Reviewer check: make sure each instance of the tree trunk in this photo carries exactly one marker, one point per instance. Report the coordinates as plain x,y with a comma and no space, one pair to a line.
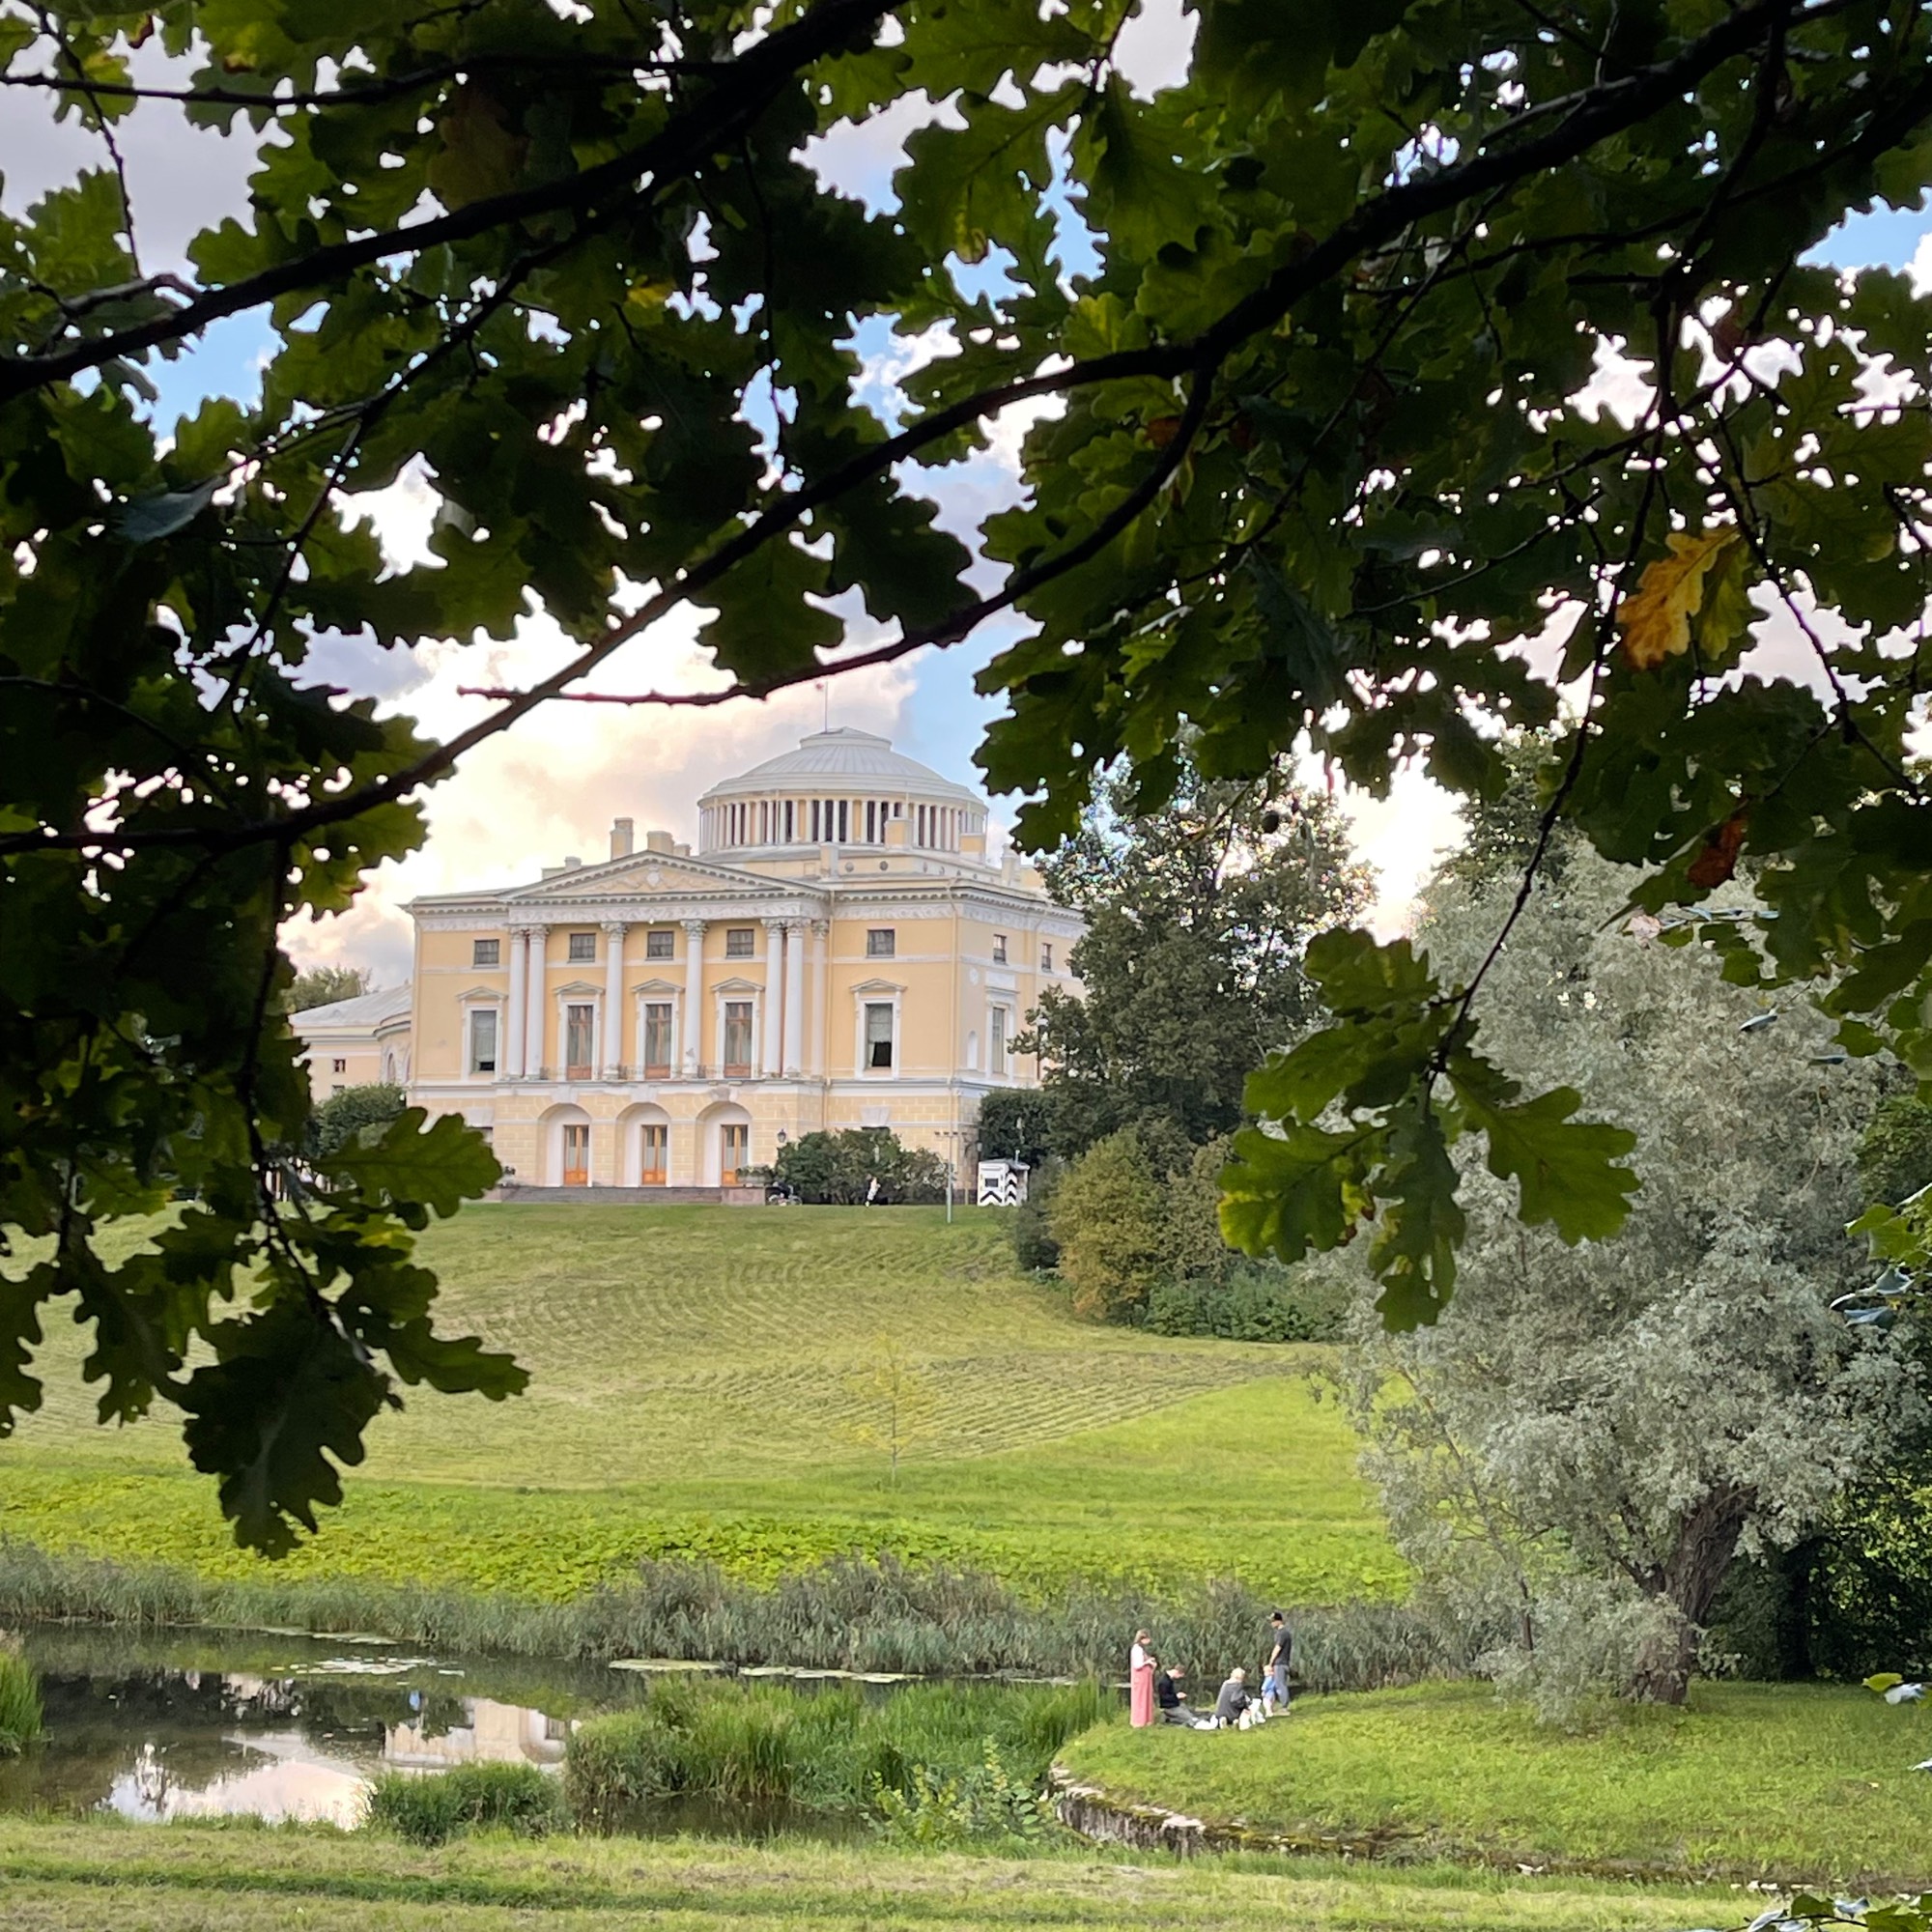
1687,1584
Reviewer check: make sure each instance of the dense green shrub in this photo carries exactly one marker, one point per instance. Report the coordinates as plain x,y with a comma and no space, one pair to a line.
1034,1247
19,1702
1016,1123
839,1170
1254,1301
432,1810
1108,1219
343,1115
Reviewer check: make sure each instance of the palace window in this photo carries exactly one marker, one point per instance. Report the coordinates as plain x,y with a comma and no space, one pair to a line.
995,1039
881,942
483,1040
657,1041
659,942
739,942
339,1067
486,953
654,1137
878,1038
579,1027
737,1039
583,948
999,949
1046,959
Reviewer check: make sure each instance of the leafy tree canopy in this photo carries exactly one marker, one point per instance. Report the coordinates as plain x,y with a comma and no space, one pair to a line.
324,985
1318,475
343,1116
1198,914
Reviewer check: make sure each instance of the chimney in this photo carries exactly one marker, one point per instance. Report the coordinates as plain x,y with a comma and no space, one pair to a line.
622,836
570,862
658,842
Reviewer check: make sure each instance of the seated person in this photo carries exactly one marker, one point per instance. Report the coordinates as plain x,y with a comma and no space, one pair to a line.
1172,1699
1233,1706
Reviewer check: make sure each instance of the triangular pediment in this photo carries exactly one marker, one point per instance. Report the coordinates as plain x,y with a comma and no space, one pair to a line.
878,986
659,988
576,990
737,986
649,874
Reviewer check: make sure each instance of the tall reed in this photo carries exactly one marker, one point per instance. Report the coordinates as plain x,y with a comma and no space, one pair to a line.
843,1614
20,1712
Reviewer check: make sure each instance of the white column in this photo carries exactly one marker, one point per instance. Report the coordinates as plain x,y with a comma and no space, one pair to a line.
513,1047
613,999
533,1018
794,1007
820,968
771,1059
694,997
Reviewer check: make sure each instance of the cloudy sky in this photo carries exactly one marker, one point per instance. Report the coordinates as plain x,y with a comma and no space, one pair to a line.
552,785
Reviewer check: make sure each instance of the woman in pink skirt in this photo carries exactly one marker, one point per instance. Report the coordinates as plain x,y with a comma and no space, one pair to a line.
1140,1680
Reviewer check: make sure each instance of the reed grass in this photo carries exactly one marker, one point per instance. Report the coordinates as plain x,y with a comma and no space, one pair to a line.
20,1712
842,1615
431,1810
829,1750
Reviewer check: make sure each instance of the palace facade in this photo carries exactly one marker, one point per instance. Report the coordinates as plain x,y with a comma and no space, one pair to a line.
838,952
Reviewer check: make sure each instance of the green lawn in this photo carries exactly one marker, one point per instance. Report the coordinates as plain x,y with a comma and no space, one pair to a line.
694,1395
1785,1781
74,1878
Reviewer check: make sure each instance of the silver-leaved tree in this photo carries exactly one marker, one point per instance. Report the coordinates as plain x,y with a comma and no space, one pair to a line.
1574,1455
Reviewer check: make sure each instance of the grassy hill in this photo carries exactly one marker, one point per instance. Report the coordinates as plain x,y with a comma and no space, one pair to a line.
698,1389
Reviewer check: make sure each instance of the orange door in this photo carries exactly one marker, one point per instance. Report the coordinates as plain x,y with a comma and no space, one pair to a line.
735,1154
576,1156
653,1169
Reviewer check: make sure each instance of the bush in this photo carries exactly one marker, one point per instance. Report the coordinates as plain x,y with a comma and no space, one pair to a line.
1034,1247
343,1115
1253,1302
1108,1217
1016,1123
838,1170
430,1810
20,1711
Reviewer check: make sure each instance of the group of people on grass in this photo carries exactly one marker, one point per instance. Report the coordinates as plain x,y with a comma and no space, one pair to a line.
1155,1696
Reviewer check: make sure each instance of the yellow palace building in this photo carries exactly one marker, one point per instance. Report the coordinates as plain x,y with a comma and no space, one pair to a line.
837,952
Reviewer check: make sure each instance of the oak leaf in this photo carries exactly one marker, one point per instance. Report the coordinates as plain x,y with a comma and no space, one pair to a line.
1717,861
1656,618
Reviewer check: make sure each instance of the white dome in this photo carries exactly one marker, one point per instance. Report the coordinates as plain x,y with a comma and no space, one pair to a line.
861,759
843,789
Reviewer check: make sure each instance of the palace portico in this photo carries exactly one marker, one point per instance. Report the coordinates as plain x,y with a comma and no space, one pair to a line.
838,952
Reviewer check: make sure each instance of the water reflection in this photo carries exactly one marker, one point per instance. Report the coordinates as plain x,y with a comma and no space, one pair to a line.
293,1728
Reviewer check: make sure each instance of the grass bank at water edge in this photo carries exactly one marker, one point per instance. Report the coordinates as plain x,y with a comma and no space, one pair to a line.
844,1615
191,1878
700,1394
1794,1783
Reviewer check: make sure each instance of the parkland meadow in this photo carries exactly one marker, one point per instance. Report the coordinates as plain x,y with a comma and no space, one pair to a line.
702,1392
193,1878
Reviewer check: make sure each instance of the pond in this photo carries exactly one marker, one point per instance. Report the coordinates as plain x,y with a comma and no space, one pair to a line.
159,1725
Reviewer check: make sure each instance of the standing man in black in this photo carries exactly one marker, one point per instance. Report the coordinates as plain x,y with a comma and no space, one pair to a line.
1277,1649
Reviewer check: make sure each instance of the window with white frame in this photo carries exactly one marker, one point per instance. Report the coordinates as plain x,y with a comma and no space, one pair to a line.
486,953
881,942
339,1067
999,949
878,1036
583,948
658,943
1046,958
739,942
737,1038
995,1039
483,1039
580,1035
657,1039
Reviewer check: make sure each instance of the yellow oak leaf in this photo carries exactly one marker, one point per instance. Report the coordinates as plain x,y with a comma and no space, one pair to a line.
1654,618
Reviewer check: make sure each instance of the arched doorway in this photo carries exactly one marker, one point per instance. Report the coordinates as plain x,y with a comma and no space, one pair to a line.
644,1140
566,1141
724,1143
